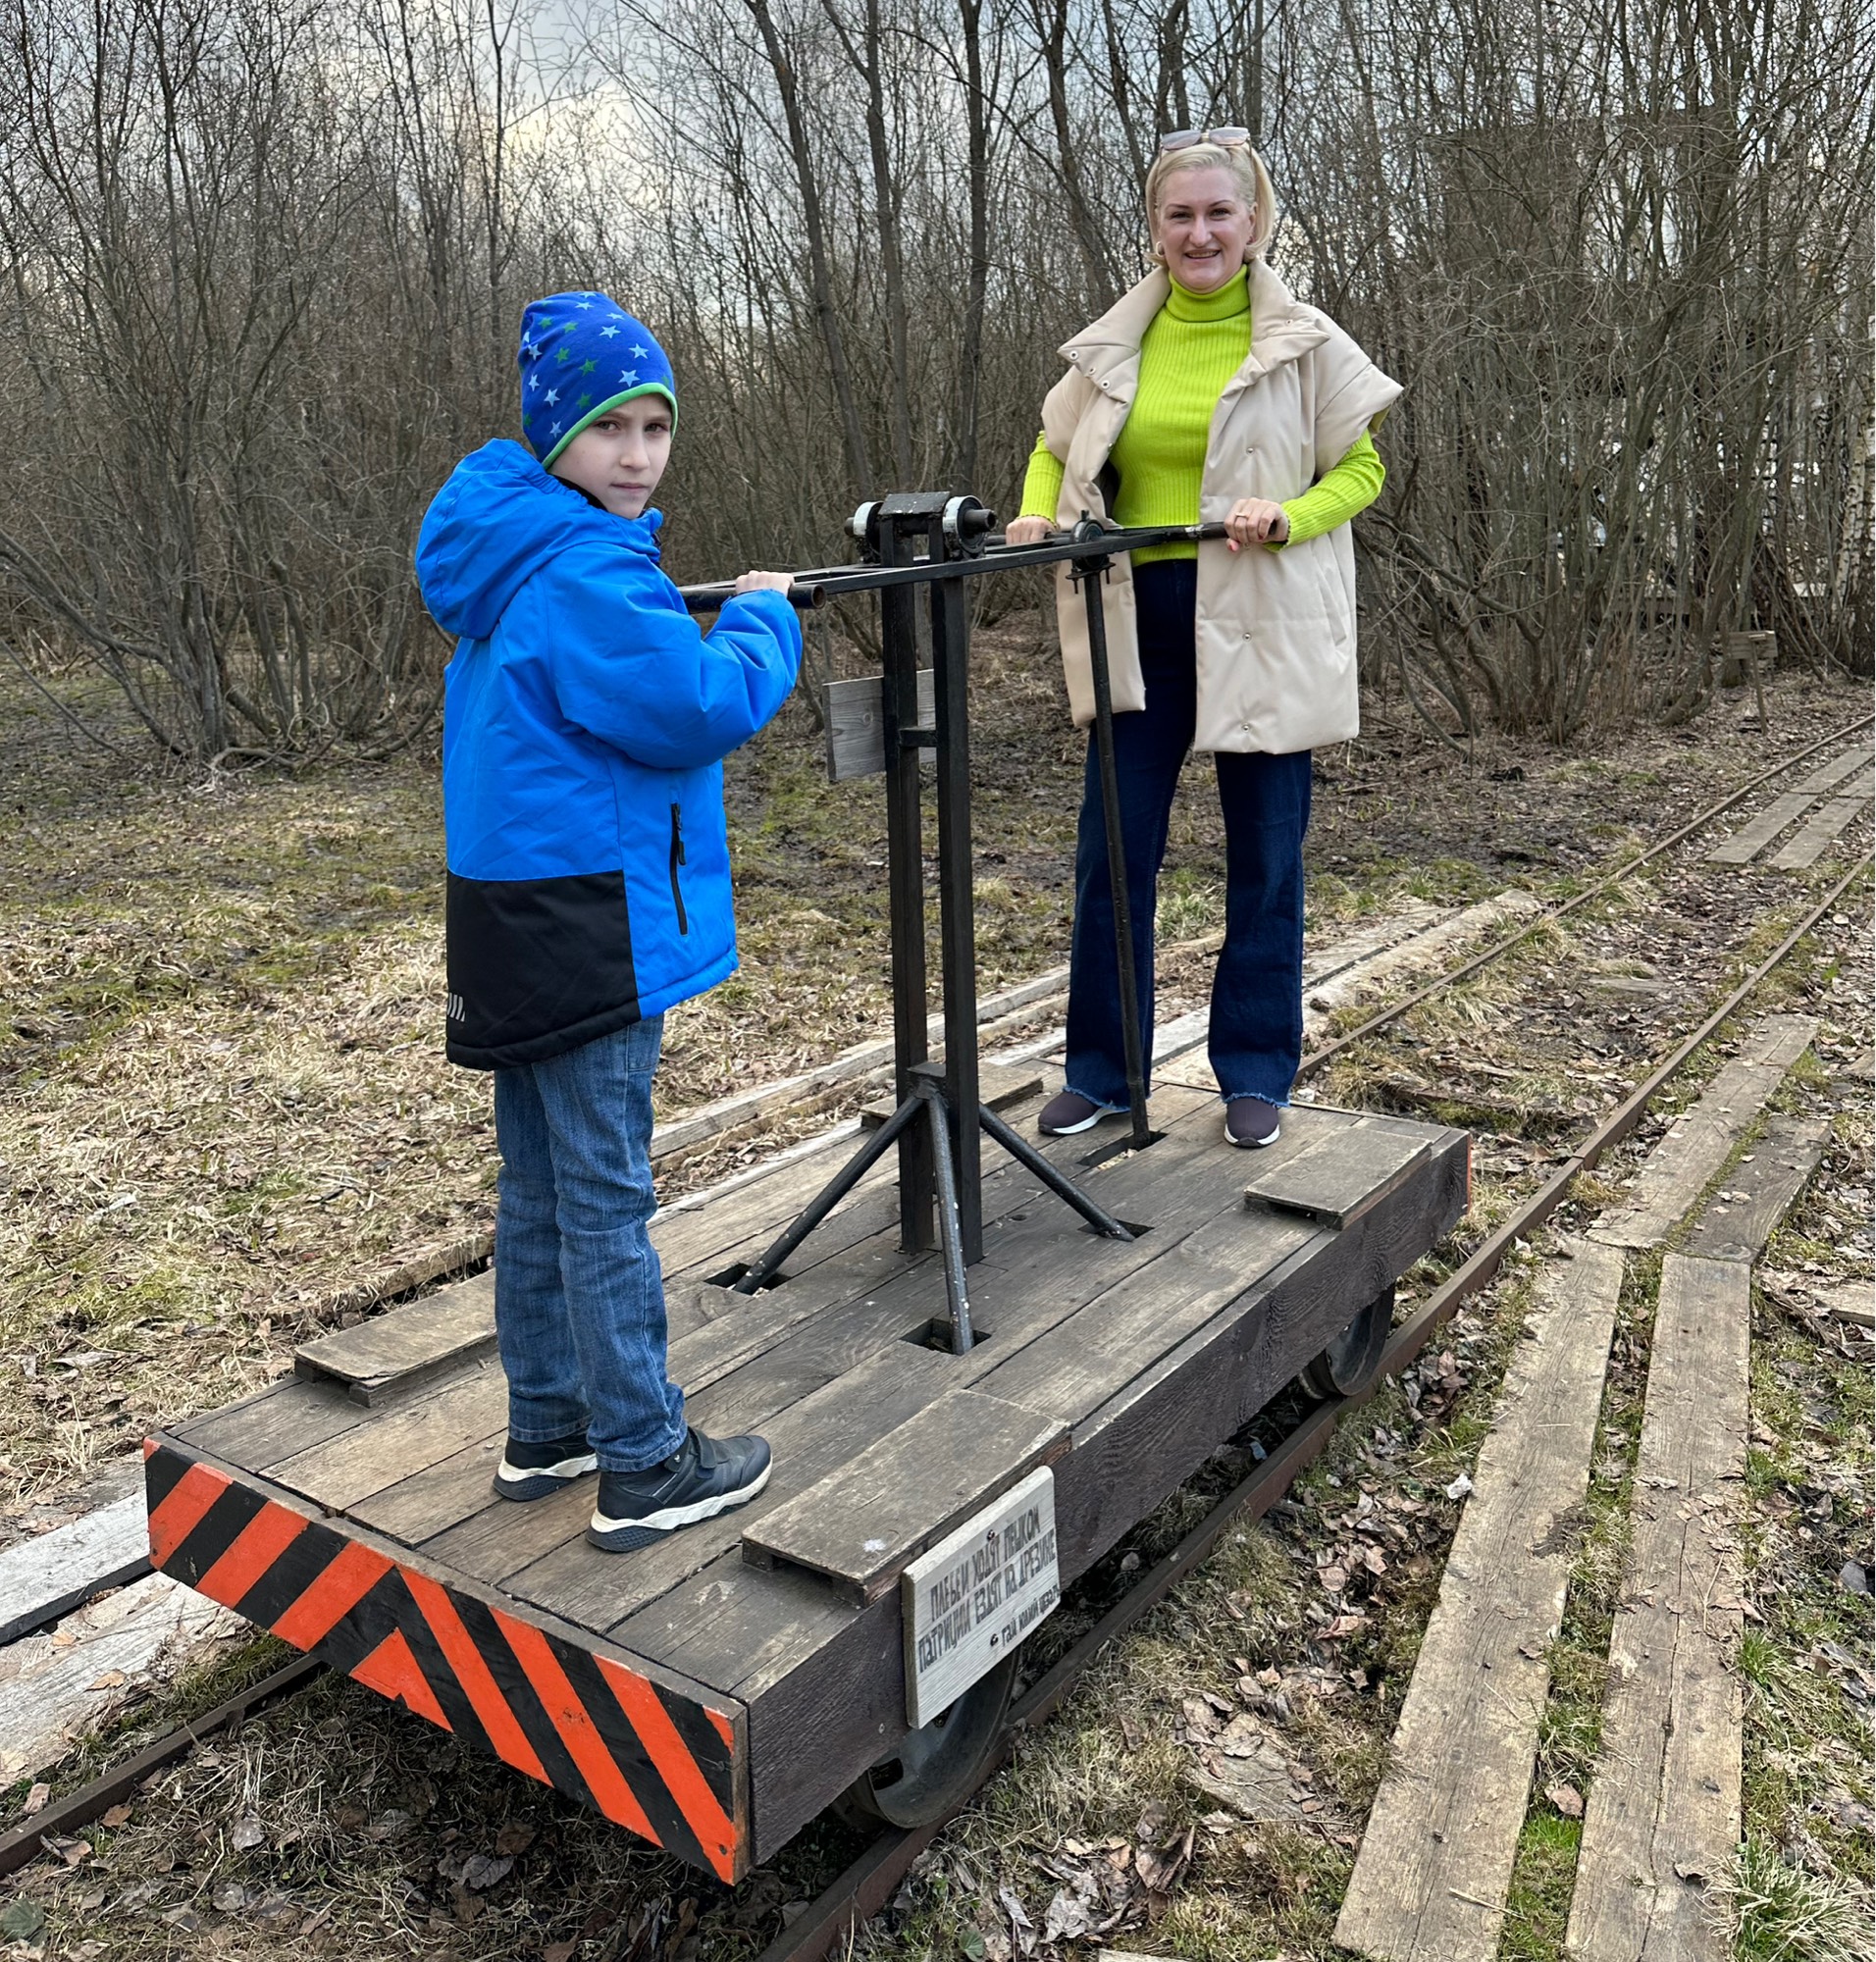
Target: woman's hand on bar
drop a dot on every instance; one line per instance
(1256, 520)
(1027, 530)
(764, 581)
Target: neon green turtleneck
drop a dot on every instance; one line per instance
(1195, 344)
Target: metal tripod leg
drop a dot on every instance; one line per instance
(830, 1196)
(1058, 1182)
(1092, 575)
(950, 1227)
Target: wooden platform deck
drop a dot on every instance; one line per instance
(716, 1690)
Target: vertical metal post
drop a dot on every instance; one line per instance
(905, 880)
(1093, 574)
(958, 936)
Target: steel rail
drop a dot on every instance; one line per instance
(865, 1886)
(1319, 1060)
(870, 1881)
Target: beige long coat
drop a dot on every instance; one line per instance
(1276, 629)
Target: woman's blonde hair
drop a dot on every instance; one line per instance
(1247, 171)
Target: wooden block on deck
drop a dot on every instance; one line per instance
(1337, 1179)
(1663, 1816)
(390, 1355)
(999, 1085)
(862, 1524)
(1434, 1867)
(1747, 841)
(1738, 1221)
(1703, 1138)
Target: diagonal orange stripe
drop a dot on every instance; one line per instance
(262, 1541)
(352, 1575)
(182, 1511)
(584, 1747)
(393, 1671)
(472, 1674)
(672, 1760)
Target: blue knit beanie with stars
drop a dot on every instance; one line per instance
(581, 355)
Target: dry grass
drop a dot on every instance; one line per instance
(223, 1001)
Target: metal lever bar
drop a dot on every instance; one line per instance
(813, 589)
(1091, 574)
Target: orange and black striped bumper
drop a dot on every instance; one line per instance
(652, 1757)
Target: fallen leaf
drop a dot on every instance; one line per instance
(1566, 1798)
(22, 1920)
(1333, 1579)
(111, 1679)
(558, 1952)
(514, 1837)
(1341, 1627)
(36, 1799)
(246, 1833)
(115, 1816)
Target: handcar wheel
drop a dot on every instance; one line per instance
(933, 1769)
(1350, 1364)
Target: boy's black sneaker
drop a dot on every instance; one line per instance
(704, 1477)
(533, 1470)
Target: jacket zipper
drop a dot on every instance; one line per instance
(677, 859)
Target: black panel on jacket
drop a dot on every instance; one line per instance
(537, 966)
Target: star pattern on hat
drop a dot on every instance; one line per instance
(628, 376)
(554, 396)
(640, 353)
(609, 332)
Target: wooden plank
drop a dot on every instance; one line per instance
(274, 1423)
(1808, 846)
(863, 1524)
(1738, 1221)
(1662, 1820)
(857, 724)
(405, 1439)
(43, 1576)
(1841, 767)
(1435, 1867)
(439, 1496)
(580, 1583)
(390, 1355)
(1000, 1085)
(1703, 1137)
(1751, 837)
(1341, 1176)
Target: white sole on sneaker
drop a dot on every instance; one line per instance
(607, 1533)
(1252, 1143)
(1076, 1130)
(536, 1481)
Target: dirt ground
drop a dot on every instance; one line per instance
(223, 1102)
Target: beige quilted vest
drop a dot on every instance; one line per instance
(1276, 629)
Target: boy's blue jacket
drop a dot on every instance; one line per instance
(585, 722)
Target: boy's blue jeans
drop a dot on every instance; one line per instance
(579, 1297)
(1256, 993)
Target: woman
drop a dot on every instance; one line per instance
(1209, 392)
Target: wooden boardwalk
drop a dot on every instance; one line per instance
(1663, 1810)
(1662, 1819)
(716, 1690)
(1435, 1867)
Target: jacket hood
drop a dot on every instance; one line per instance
(494, 523)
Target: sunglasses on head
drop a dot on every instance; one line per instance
(1230, 137)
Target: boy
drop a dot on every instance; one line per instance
(586, 720)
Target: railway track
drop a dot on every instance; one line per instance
(872, 1878)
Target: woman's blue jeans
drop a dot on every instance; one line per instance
(1256, 993)
(579, 1296)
